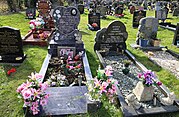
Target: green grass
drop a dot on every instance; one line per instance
(10, 106)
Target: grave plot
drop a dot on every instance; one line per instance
(42, 27)
(111, 50)
(66, 66)
(165, 59)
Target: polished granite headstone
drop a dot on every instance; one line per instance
(111, 38)
(11, 48)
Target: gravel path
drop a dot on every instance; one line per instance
(166, 61)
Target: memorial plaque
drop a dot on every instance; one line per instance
(81, 8)
(66, 21)
(11, 46)
(66, 100)
(137, 16)
(176, 36)
(94, 18)
(111, 38)
(30, 13)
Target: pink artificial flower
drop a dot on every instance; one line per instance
(36, 93)
(35, 111)
(103, 87)
(35, 104)
(20, 88)
(97, 83)
(111, 91)
(38, 76)
(44, 86)
(71, 67)
(26, 103)
(139, 75)
(105, 84)
(78, 66)
(26, 94)
(43, 102)
(32, 76)
(108, 80)
(46, 96)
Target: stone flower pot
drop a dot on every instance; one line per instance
(156, 42)
(142, 92)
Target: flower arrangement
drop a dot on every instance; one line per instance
(103, 88)
(149, 78)
(33, 93)
(36, 24)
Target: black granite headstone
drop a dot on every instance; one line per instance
(11, 46)
(118, 10)
(176, 36)
(137, 16)
(94, 18)
(111, 38)
(81, 8)
(31, 13)
(66, 21)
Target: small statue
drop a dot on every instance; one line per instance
(132, 101)
(168, 100)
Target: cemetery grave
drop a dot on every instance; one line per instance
(66, 66)
(111, 50)
(42, 27)
(147, 34)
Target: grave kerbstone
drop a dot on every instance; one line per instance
(111, 38)
(11, 48)
(137, 16)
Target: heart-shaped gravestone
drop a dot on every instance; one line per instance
(66, 19)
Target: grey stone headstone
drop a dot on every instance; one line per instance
(161, 14)
(111, 38)
(11, 49)
(102, 10)
(149, 27)
(176, 11)
(66, 21)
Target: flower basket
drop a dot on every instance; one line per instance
(143, 93)
(143, 42)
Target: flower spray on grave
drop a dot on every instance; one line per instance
(37, 26)
(32, 92)
(144, 89)
(103, 87)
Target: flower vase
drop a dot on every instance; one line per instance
(27, 112)
(92, 104)
(142, 92)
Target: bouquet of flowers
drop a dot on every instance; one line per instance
(103, 88)
(33, 93)
(36, 24)
(149, 78)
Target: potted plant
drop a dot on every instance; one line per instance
(143, 42)
(32, 92)
(126, 67)
(144, 89)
